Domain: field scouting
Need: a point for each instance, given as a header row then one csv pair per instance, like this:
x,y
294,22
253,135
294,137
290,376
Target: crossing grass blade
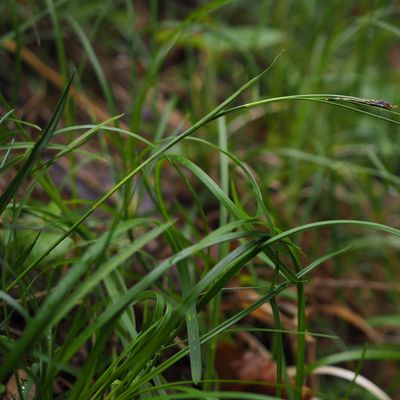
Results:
x,y
94,61
245,252
176,240
144,269
207,118
217,237
36,151
331,99
46,316
384,352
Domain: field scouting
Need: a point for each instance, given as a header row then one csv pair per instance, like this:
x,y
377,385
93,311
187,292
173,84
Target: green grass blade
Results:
x,y
105,128
331,99
6,116
207,336
215,395
321,260
36,152
151,277
207,118
192,323
47,317
94,61
211,185
106,268
6,298
390,353
84,138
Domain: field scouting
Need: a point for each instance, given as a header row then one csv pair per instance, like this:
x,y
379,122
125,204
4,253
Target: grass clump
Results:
x,y
169,218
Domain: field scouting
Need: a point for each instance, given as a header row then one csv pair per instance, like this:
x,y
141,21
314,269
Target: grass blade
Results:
x,y
36,151
207,118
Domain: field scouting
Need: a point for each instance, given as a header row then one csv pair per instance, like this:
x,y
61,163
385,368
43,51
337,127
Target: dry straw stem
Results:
x,y
92,108
88,105
353,376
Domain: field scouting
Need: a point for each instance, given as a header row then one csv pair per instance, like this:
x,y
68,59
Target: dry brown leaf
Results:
x,y
347,315
235,362
12,387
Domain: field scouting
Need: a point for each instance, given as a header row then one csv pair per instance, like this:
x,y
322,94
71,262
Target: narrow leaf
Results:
x,y
35,153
